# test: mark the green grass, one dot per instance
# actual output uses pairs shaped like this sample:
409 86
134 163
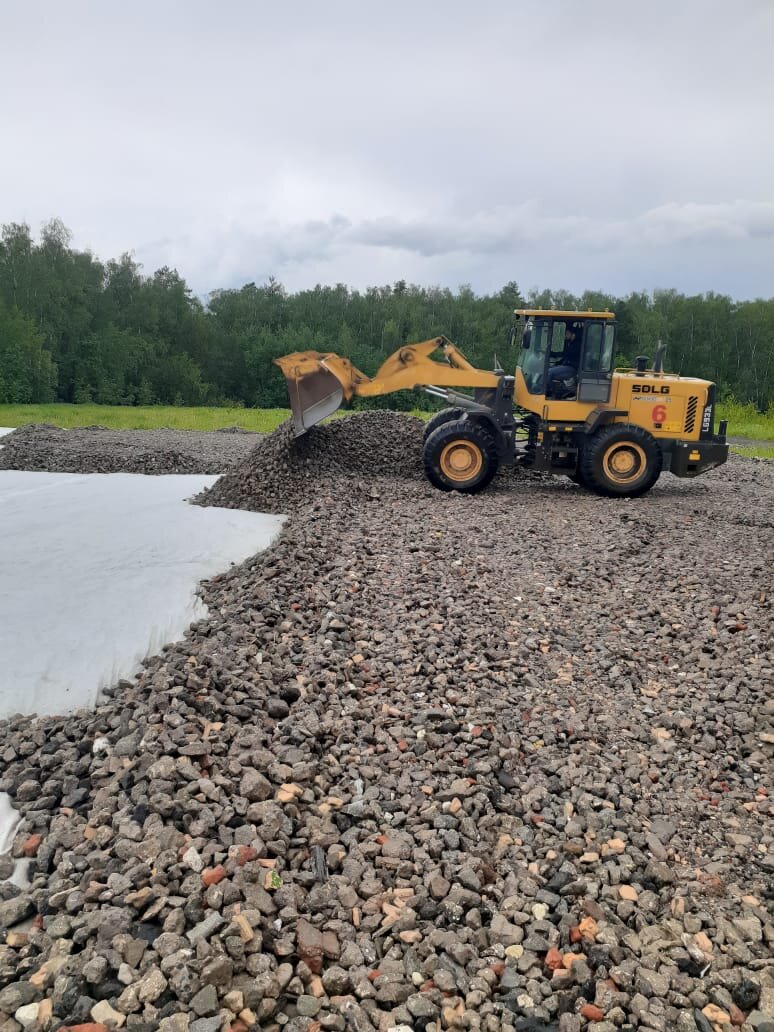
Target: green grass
757 451
746 421
151 417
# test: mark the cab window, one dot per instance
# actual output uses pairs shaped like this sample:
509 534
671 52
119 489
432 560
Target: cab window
557 338
532 360
598 348
609 352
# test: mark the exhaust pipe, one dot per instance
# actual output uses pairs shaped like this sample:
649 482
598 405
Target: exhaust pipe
658 361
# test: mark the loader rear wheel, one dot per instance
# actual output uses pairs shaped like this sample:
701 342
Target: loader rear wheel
446 415
460 456
621 461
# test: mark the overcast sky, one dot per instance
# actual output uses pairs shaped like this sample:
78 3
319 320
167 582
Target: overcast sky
602 144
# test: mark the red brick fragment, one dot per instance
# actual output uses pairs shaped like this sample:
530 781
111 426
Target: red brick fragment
309 943
32 845
245 854
554 959
213 875
591 1012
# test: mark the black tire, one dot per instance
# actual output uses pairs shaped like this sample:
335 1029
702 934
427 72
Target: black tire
621 461
460 456
577 478
444 416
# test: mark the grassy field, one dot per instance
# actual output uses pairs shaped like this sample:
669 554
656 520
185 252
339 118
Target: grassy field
756 451
743 420
746 421
151 417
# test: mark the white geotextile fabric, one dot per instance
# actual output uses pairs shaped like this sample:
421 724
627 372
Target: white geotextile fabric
98 571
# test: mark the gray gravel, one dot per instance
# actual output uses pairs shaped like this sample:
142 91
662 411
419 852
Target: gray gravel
433 762
97 450
283 472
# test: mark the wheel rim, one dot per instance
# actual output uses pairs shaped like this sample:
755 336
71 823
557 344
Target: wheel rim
461 461
624 462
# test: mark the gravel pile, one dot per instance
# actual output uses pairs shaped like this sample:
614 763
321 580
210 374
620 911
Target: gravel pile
97 450
283 472
433 762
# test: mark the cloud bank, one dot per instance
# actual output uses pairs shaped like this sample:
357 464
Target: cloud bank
550 142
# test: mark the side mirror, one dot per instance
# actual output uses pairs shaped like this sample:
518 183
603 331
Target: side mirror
526 339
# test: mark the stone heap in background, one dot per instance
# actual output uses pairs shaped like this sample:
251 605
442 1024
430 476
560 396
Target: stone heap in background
94 449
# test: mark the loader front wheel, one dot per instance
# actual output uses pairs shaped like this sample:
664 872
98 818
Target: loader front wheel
446 415
460 456
621 461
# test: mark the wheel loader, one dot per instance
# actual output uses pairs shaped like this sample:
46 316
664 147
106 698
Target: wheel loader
566 410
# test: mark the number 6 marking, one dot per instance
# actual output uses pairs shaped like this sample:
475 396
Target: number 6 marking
658 415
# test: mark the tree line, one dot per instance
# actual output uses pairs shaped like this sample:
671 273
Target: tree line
76 329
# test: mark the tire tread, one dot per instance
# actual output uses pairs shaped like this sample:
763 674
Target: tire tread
471 431
590 466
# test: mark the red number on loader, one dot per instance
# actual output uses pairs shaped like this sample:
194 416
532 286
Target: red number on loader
659 413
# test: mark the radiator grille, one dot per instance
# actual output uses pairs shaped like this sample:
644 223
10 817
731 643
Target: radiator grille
690 415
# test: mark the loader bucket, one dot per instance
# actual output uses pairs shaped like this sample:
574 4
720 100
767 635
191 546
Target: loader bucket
318 384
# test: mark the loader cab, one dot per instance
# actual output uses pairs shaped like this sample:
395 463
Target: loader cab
567 356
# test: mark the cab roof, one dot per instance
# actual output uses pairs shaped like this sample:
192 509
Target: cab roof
554 313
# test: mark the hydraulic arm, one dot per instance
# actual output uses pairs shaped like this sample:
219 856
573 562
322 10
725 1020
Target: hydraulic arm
320 382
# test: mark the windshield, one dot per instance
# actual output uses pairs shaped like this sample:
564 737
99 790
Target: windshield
532 360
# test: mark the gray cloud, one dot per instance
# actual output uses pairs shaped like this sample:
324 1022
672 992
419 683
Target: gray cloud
500 234
499 230
552 142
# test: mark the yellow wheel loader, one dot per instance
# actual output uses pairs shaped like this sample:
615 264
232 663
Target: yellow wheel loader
566 410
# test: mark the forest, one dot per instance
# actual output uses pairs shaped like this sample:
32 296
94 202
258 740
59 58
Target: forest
76 329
